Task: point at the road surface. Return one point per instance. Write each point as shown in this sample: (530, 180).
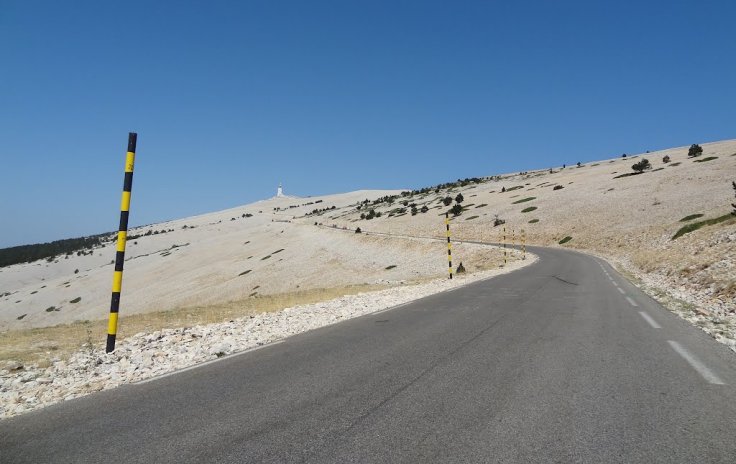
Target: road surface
(561, 361)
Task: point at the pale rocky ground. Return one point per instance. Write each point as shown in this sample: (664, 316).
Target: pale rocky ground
(629, 221)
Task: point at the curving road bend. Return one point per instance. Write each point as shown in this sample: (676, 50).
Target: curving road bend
(562, 361)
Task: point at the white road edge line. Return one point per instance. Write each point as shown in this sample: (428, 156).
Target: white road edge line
(649, 319)
(189, 368)
(621, 290)
(631, 302)
(696, 364)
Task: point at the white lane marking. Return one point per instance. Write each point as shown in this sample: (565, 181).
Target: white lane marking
(178, 371)
(621, 290)
(631, 302)
(649, 319)
(695, 363)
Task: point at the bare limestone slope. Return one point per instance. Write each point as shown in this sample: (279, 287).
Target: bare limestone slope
(629, 220)
(246, 258)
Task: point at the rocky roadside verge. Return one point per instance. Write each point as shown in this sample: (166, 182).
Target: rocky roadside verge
(699, 293)
(689, 300)
(147, 355)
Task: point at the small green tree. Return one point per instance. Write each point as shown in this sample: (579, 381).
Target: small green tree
(446, 201)
(641, 166)
(424, 209)
(666, 159)
(459, 198)
(358, 231)
(695, 150)
(456, 209)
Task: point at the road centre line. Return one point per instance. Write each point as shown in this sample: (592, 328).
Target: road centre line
(696, 364)
(621, 290)
(649, 319)
(631, 302)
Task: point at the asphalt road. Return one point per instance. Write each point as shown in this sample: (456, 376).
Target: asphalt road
(562, 361)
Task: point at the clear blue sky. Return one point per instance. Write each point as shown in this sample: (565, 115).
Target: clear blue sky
(230, 98)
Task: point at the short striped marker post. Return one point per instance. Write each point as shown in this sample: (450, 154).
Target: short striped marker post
(513, 240)
(117, 279)
(449, 245)
(523, 244)
(504, 245)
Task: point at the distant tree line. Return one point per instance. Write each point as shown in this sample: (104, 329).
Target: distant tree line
(29, 253)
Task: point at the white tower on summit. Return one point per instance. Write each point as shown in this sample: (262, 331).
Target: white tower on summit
(279, 191)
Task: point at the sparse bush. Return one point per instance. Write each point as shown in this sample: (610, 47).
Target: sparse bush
(565, 240)
(733, 204)
(459, 198)
(641, 166)
(358, 231)
(529, 209)
(533, 221)
(447, 201)
(524, 200)
(414, 211)
(557, 187)
(460, 269)
(666, 159)
(497, 221)
(693, 226)
(503, 189)
(424, 209)
(691, 217)
(456, 209)
(694, 150)
(76, 271)
(76, 300)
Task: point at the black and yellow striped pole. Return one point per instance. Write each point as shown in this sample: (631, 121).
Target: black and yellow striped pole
(513, 240)
(449, 245)
(504, 245)
(523, 244)
(117, 279)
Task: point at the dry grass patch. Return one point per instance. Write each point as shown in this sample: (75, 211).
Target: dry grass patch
(43, 344)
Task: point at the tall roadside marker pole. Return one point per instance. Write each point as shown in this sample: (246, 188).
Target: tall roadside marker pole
(117, 278)
(449, 245)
